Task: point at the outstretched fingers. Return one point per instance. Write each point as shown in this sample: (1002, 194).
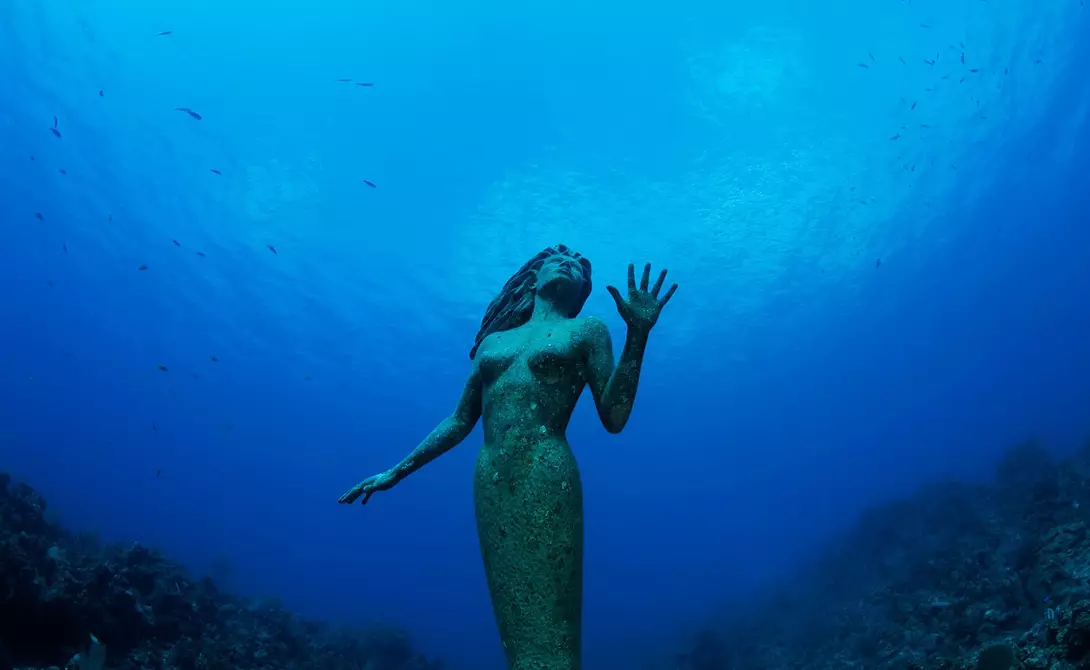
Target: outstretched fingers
(669, 294)
(658, 284)
(616, 296)
(646, 277)
(631, 278)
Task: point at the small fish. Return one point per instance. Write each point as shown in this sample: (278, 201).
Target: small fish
(165, 33)
(953, 167)
(142, 267)
(189, 112)
(925, 25)
(343, 80)
(871, 56)
(903, 62)
(201, 254)
(100, 93)
(111, 218)
(863, 65)
(38, 215)
(912, 107)
(176, 243)
(158, 472)
(364, 83)
(308, 378)
(929, 62)
(961, 81)
(62, 171)
(271, 248)
(54, 122)
(963, 59)
(895, 137)
(370, 183)
(55, 132)
(154, 427)
(64, 245)
(49, 283)
(33, 158)
(975, 69)
(214, 171)
(214, 359)
(878, 263)
(162, 368)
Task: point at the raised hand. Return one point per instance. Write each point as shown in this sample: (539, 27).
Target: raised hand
(381, 482)
(642, 307)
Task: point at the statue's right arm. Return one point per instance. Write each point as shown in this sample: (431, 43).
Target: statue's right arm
(450, 431)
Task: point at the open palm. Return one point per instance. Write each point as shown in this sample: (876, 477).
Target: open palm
(641, 309)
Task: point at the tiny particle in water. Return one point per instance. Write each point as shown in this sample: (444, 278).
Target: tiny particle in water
(308, 378)
(64, 245)
(38, 215)
(878, 263)
(62, 171)
(162, 368)
(158, 472)
(214, 171)
(32, 158)
(142, 267)
(214, 359)
(271, 248)
(370, 183)
(154, 427)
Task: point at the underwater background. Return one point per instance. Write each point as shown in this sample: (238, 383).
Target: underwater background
(234, 285)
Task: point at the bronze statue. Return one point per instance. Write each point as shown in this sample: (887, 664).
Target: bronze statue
(531, 360)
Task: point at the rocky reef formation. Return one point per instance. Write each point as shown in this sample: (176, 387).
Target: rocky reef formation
(62, 595)
(960, 576)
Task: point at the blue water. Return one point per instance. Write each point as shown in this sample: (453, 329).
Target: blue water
(792, 381)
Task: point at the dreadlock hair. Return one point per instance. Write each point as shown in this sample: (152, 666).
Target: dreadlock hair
(515, 303)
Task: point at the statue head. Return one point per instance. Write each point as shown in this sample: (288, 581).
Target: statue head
(557, 274)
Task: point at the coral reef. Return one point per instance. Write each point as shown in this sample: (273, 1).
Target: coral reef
(60, 594)
(958, 577)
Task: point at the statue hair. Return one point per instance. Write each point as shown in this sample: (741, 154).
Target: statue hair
(515, 303)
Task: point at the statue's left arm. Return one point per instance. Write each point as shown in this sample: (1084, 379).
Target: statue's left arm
(614, 387)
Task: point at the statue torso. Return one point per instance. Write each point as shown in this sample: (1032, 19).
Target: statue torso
(532, 377)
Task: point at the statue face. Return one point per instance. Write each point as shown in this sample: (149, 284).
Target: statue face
(563, 279)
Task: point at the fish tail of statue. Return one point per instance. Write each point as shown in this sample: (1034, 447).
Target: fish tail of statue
(531, 531)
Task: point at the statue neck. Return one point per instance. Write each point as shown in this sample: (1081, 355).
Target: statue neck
(547, 310)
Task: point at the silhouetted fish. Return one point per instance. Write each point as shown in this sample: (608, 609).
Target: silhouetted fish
(370, 183)
(201, 254)
(364, 83)
(189, 112)
(54, 122)
(271, 248)
(214, 171)
(214, 359)
(164, 33)
(64, 246)
(55, 132)
(142, 267)
(38, 215)
(878, 263)
(176, 243)
(100, 93)
(162, 368)
(344, 80)
(863, 65)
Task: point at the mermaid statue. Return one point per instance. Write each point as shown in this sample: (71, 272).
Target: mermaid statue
(531, 360)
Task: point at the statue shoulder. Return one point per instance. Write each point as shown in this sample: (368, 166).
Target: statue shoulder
(591, 328)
